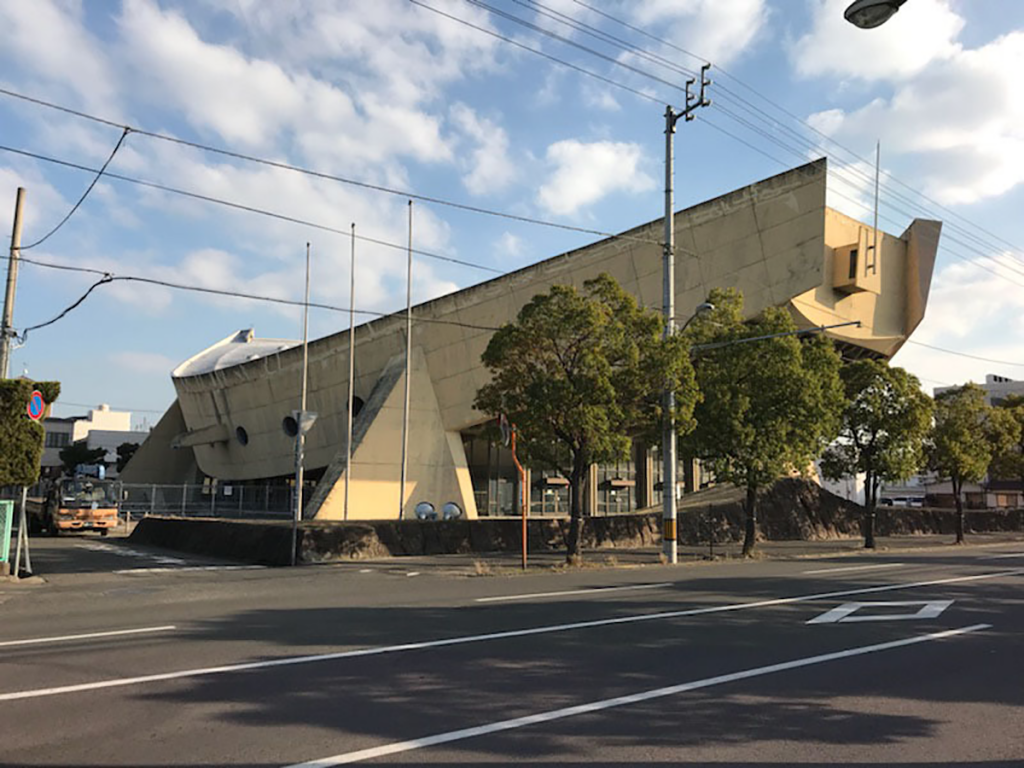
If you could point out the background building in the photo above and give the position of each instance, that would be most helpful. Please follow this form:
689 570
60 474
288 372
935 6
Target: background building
996 387
100 428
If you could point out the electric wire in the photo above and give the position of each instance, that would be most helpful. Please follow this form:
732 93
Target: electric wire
791 115
99 173
329 176
247 208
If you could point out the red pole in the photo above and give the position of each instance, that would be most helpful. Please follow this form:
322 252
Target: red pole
522 491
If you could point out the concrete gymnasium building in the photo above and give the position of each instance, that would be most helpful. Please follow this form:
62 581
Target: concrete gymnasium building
776 241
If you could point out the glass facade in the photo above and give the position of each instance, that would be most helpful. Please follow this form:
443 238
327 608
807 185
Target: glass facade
616 487
549 494
496 484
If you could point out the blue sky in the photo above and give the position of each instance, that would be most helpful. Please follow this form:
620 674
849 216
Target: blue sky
394 94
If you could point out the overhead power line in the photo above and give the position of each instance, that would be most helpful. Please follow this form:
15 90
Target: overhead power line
247 208
326 176
110 277
759 95
81 199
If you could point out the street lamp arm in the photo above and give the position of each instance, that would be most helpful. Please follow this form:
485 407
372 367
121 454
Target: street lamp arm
801 332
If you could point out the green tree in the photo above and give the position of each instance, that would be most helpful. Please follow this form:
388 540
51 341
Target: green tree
580 374
1008 458
769 406
884 426
960 448
125 451
81 453
21 439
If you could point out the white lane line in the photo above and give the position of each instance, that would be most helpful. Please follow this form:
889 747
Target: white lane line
287 661
591 591
621 701
854 568
187 569
1000 557
88 635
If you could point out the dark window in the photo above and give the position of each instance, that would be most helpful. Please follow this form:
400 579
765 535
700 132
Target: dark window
357 405
57 439
242 435
290 426
853 263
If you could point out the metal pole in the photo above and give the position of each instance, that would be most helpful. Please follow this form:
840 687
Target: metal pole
874 248
22 535
351 365
668 474
300 438
408 370
7 329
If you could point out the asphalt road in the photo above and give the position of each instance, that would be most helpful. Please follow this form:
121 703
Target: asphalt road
729 664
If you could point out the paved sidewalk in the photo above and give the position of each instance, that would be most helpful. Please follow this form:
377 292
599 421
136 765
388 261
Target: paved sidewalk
509 563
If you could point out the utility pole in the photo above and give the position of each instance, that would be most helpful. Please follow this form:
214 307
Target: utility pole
351 365
301 420
7 329
408 372
668 494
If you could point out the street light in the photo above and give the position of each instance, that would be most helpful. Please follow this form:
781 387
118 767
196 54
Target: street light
700 309
868 14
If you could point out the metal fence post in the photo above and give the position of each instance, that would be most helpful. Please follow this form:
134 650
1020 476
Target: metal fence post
152 499
241 493
213 500
184 494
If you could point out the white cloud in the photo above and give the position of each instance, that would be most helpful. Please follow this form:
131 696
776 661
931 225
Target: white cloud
583 173
146 363
489 168
923 31
973 311
49 39
719 30
954 113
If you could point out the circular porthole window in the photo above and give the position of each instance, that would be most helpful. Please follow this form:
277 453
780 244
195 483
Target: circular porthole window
451 511
241 435
290 426
425 511
357 405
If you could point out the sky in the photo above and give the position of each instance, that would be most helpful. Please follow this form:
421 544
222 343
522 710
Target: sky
404 94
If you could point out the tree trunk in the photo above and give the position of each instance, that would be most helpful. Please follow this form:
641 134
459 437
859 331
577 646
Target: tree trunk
870 502
750 538
957 495
574 542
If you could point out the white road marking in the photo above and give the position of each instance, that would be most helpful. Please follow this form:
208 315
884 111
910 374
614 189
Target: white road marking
129 552
466 639
187 568
592 590
413 573
1000 557
854 568
929 609
621 701
88 635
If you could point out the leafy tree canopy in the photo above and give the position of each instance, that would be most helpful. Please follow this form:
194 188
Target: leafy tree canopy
769 406
21 439
960 449
580 373
1008 458
125 451
81 453
883 430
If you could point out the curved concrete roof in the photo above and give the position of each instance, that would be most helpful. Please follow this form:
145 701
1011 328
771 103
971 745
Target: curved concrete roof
237 348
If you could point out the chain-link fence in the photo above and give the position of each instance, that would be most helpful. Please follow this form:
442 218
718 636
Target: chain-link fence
219 500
